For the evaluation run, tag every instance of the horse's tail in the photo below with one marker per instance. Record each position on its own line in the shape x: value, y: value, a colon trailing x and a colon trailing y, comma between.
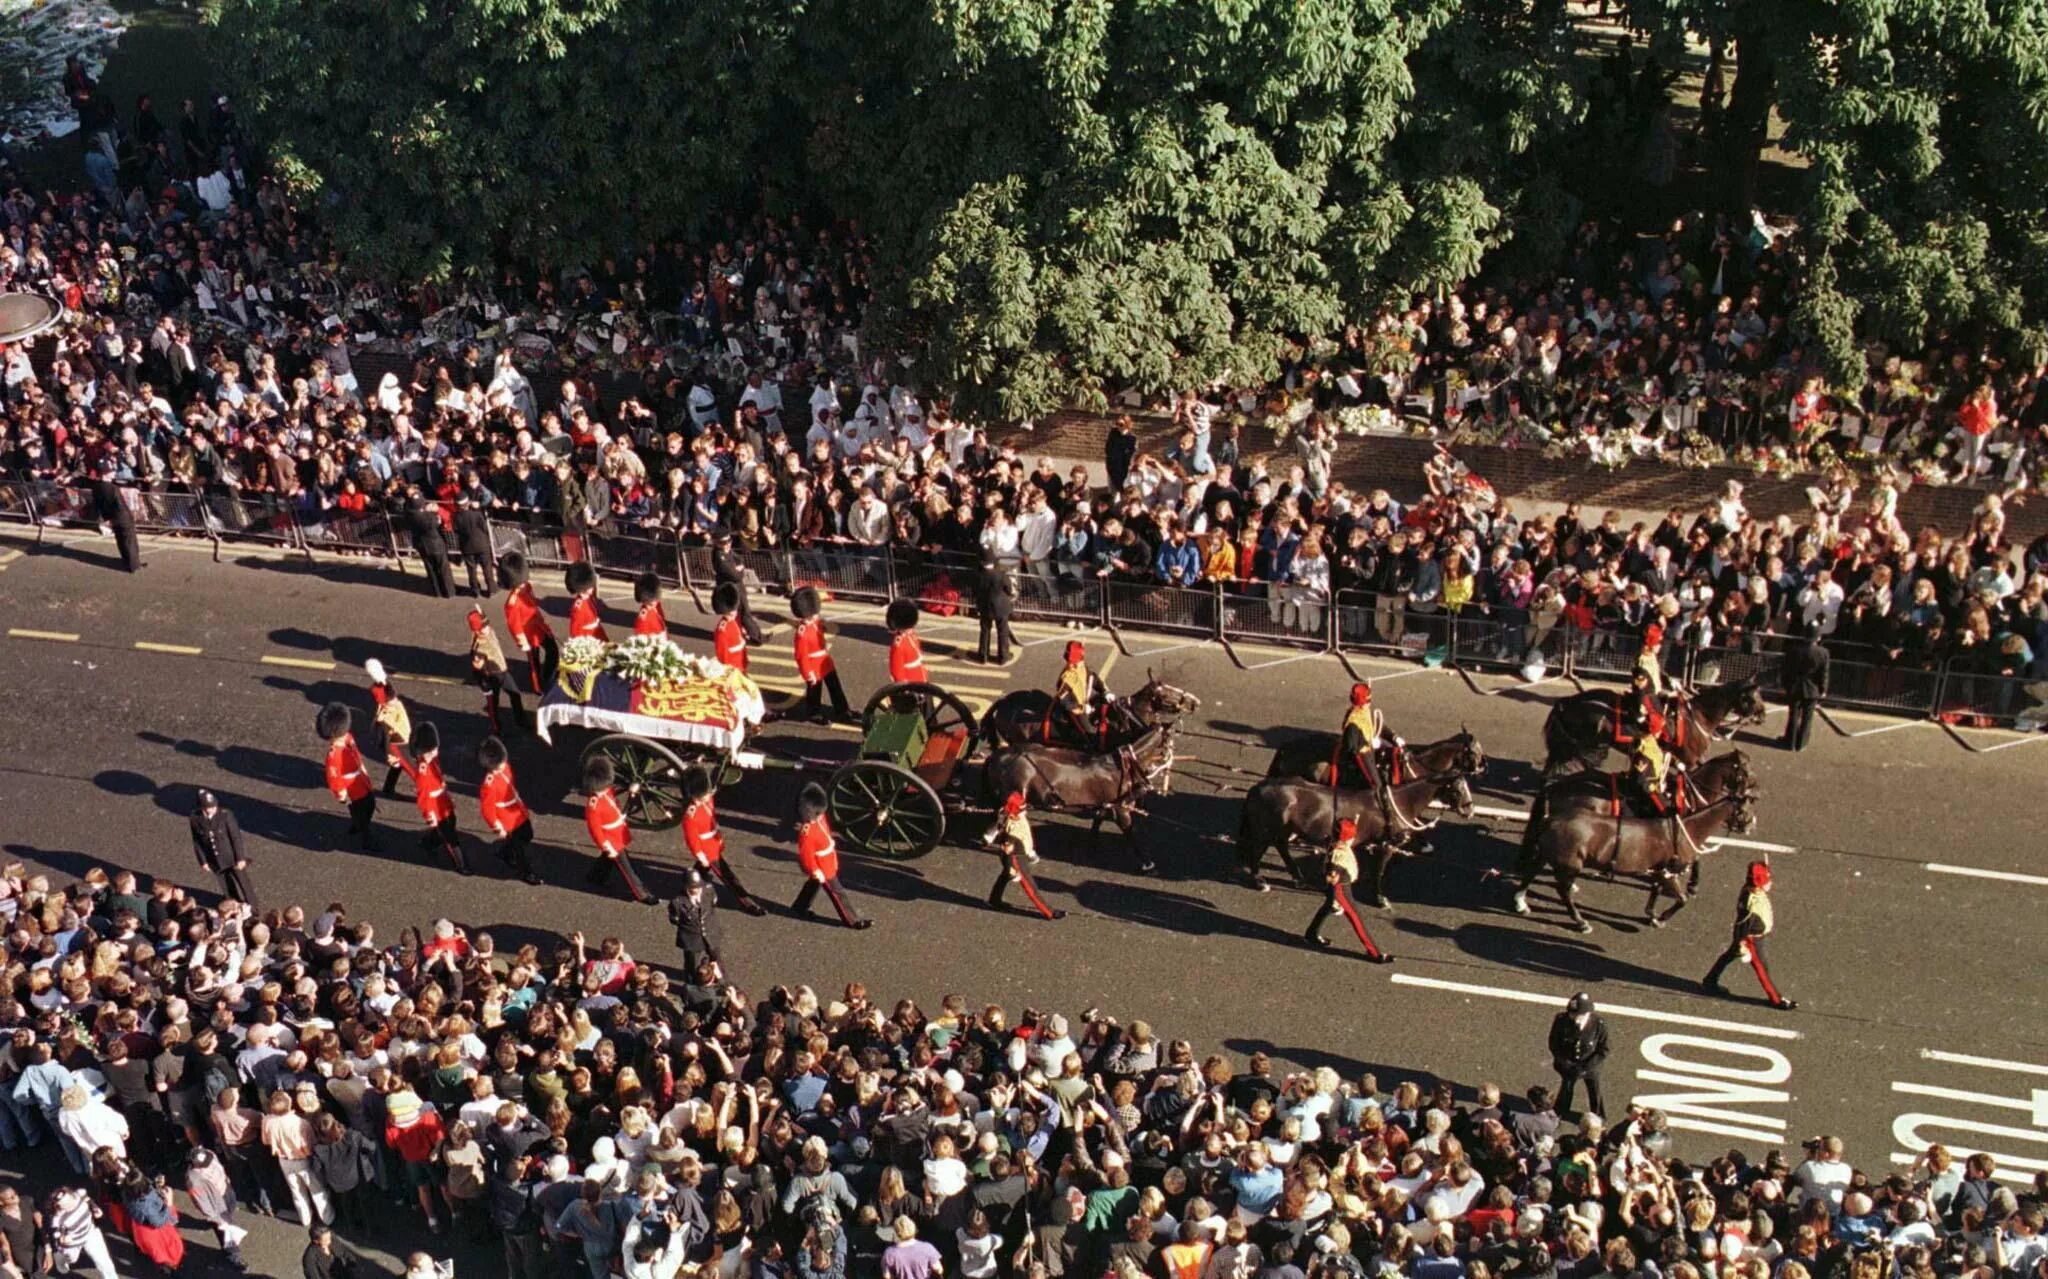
x: 1555, y: 750
x: 1254, y: 828
x: 1532, y: 831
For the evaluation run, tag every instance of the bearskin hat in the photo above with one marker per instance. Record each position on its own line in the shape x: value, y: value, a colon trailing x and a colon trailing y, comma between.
x: 490, y: 753
x: 804, y: 603
x: 332, y: 721
x: 425, y: 737
x: 901, y: 615
x: 725, y: 598
x: 810, y: 804
x: 579, y: 577
x: 597, y: 774
x: 511, y: 570
x: 646, y: 588
x: 696, y: 784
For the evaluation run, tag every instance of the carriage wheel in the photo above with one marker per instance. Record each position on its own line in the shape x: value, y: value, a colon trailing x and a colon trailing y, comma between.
x: 942, y: 711
x: 655, y: 769
x: 884, y: 810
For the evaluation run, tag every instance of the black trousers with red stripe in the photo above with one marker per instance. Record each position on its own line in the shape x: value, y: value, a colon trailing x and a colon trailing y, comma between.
x: 1747, y: 947
x: 496, y: 688
x: 809, y: 894
x: 445, y: 839
x: 512, y: 848
x: 1013, y: 869
x: 1338, y: 899
x: 541, y: 662
x: 722, y: 869
x: 600, y: 872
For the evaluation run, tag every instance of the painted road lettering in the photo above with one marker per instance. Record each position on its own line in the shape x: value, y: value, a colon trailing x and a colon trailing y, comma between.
x: 1722, y: 1085
x: 1987, y: 1104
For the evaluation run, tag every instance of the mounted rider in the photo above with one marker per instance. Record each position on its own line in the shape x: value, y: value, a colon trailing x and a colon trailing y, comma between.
x: 1368, y: 756
x: 1659, y: 785
x: 1080, y: 697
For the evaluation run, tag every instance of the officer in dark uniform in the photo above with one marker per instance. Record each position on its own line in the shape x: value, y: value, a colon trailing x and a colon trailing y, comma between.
x: 1804, y: 681
x: 1753, y: 921
x: 995, y: 596
x: 694, y: 912
x: 114, y: 513
x: 473, y: 540
x: 423, y: 519
x: 725, y: 567
x: 217, y: 843
x: 1578, y: 1048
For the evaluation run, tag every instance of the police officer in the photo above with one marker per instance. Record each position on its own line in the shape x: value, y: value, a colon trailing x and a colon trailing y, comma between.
x: 217, y: 843
x: 473, y: 540
x: 727, y: 570
x: 1578, y: 1048
x: 819, y: 857
x: 694, y: 912
x: 1753, y: 920
x: 115, y: 513
x: 1011, y: 837
x: 1340, y: 874
x: 814, y: 657
x: 906, y: 650
x: 347, y: 778
x: 995, y: 597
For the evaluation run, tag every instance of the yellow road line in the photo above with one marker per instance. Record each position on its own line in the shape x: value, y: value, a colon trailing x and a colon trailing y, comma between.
x: 1108, y: 665
x: 182, y: 650
x: 303, y: 663
x: 62, y: 637
x: 426, y: 679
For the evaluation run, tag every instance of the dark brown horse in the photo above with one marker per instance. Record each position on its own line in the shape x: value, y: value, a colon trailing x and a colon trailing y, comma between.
x: 1308, y: 758
x: 1020, y: 718
x: 1725, y: 774
x: 1099, y: 784
x: 1581, y: 729
x: 1661, y: 851
x: 1281, y: 810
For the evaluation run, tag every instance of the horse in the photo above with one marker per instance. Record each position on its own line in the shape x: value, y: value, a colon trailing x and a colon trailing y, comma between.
x: 1725, y: 774
x: 1308, y: 758
x: 1020, y: 718
x: 1581, y: 729
x: 1099, y: 784
x: 1660, y: 851
x: 1280, y: 810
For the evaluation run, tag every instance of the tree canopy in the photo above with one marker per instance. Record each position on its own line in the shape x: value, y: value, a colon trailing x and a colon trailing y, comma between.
x: 1073, y: 195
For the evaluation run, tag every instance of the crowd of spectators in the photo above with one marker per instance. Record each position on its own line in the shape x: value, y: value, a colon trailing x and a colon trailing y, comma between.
x: 212, y: 331
x: 574, y: 1112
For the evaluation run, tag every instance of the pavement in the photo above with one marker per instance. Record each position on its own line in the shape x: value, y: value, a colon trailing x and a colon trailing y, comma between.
x: 1895, y: 853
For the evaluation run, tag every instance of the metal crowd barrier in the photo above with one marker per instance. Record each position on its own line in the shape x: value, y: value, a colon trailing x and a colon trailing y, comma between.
x: 16, y: 506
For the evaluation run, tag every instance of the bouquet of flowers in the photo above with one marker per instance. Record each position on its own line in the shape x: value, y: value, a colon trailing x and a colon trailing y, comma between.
x: 582, y: 659
x: 649, y: 660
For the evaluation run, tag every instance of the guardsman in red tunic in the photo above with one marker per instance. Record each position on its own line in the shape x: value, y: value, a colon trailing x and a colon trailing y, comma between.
x: 528, y: 625
x: 606, y: 821
x: 650, y: 620
x: 347, y: 779
x: 728, y: 637
x: 1753, y: 920
x: 581, y: 579
x: 906, y: 651
x: 505, y: 814
x: 706, y: 843
x: 1011, y: 836
x: 1339, y: 875
x: 814, y: 658
x: 431, y: 787
x: 819, y: 857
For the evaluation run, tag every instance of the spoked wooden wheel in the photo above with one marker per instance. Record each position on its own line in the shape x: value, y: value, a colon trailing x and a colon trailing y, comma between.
x: 885, y: 810
x: 654, y: 769
x: 942, y: 711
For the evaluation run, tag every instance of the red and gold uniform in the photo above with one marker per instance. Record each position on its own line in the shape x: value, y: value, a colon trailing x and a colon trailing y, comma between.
x: 347, y: 779
x: 504, y: 813
x: 1339, y: 875
x: 818, y: 855
x: 1754, y: 919
x: 1011, y: 836
x: 430, y: 787
x: 706, y: 843
x: 605, y: 819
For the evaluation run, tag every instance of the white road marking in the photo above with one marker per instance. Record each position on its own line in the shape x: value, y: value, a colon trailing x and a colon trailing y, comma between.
x: 1754, y: 845
x: 1990, y: 1063
x: 2006, y: 746
x: 1612, y: 1010
x: 1724, y: 1081
x: 1973, y: 872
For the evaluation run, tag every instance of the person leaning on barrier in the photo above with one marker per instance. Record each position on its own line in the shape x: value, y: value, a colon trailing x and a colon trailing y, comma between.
x: 473, y: 542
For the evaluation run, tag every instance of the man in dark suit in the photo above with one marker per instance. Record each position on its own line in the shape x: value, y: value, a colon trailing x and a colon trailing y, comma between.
x: 695, y: 914
x: 726, y: 567
x: 1804, y: 680
x: 115, y: 513
x: 473, y: 540
x: 995, y: 596
x: 1578, y: 1048
x: 423, y: 520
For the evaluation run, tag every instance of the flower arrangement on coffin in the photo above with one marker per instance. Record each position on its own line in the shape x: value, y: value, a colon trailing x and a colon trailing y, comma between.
x: 582, y: 660
x: 651, y: 660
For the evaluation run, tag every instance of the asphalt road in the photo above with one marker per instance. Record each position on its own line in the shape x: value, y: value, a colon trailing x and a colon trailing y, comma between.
x: 1912, y: 967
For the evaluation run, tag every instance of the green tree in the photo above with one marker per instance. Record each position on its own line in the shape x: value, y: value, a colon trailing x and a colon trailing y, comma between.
x: 438, y: 137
